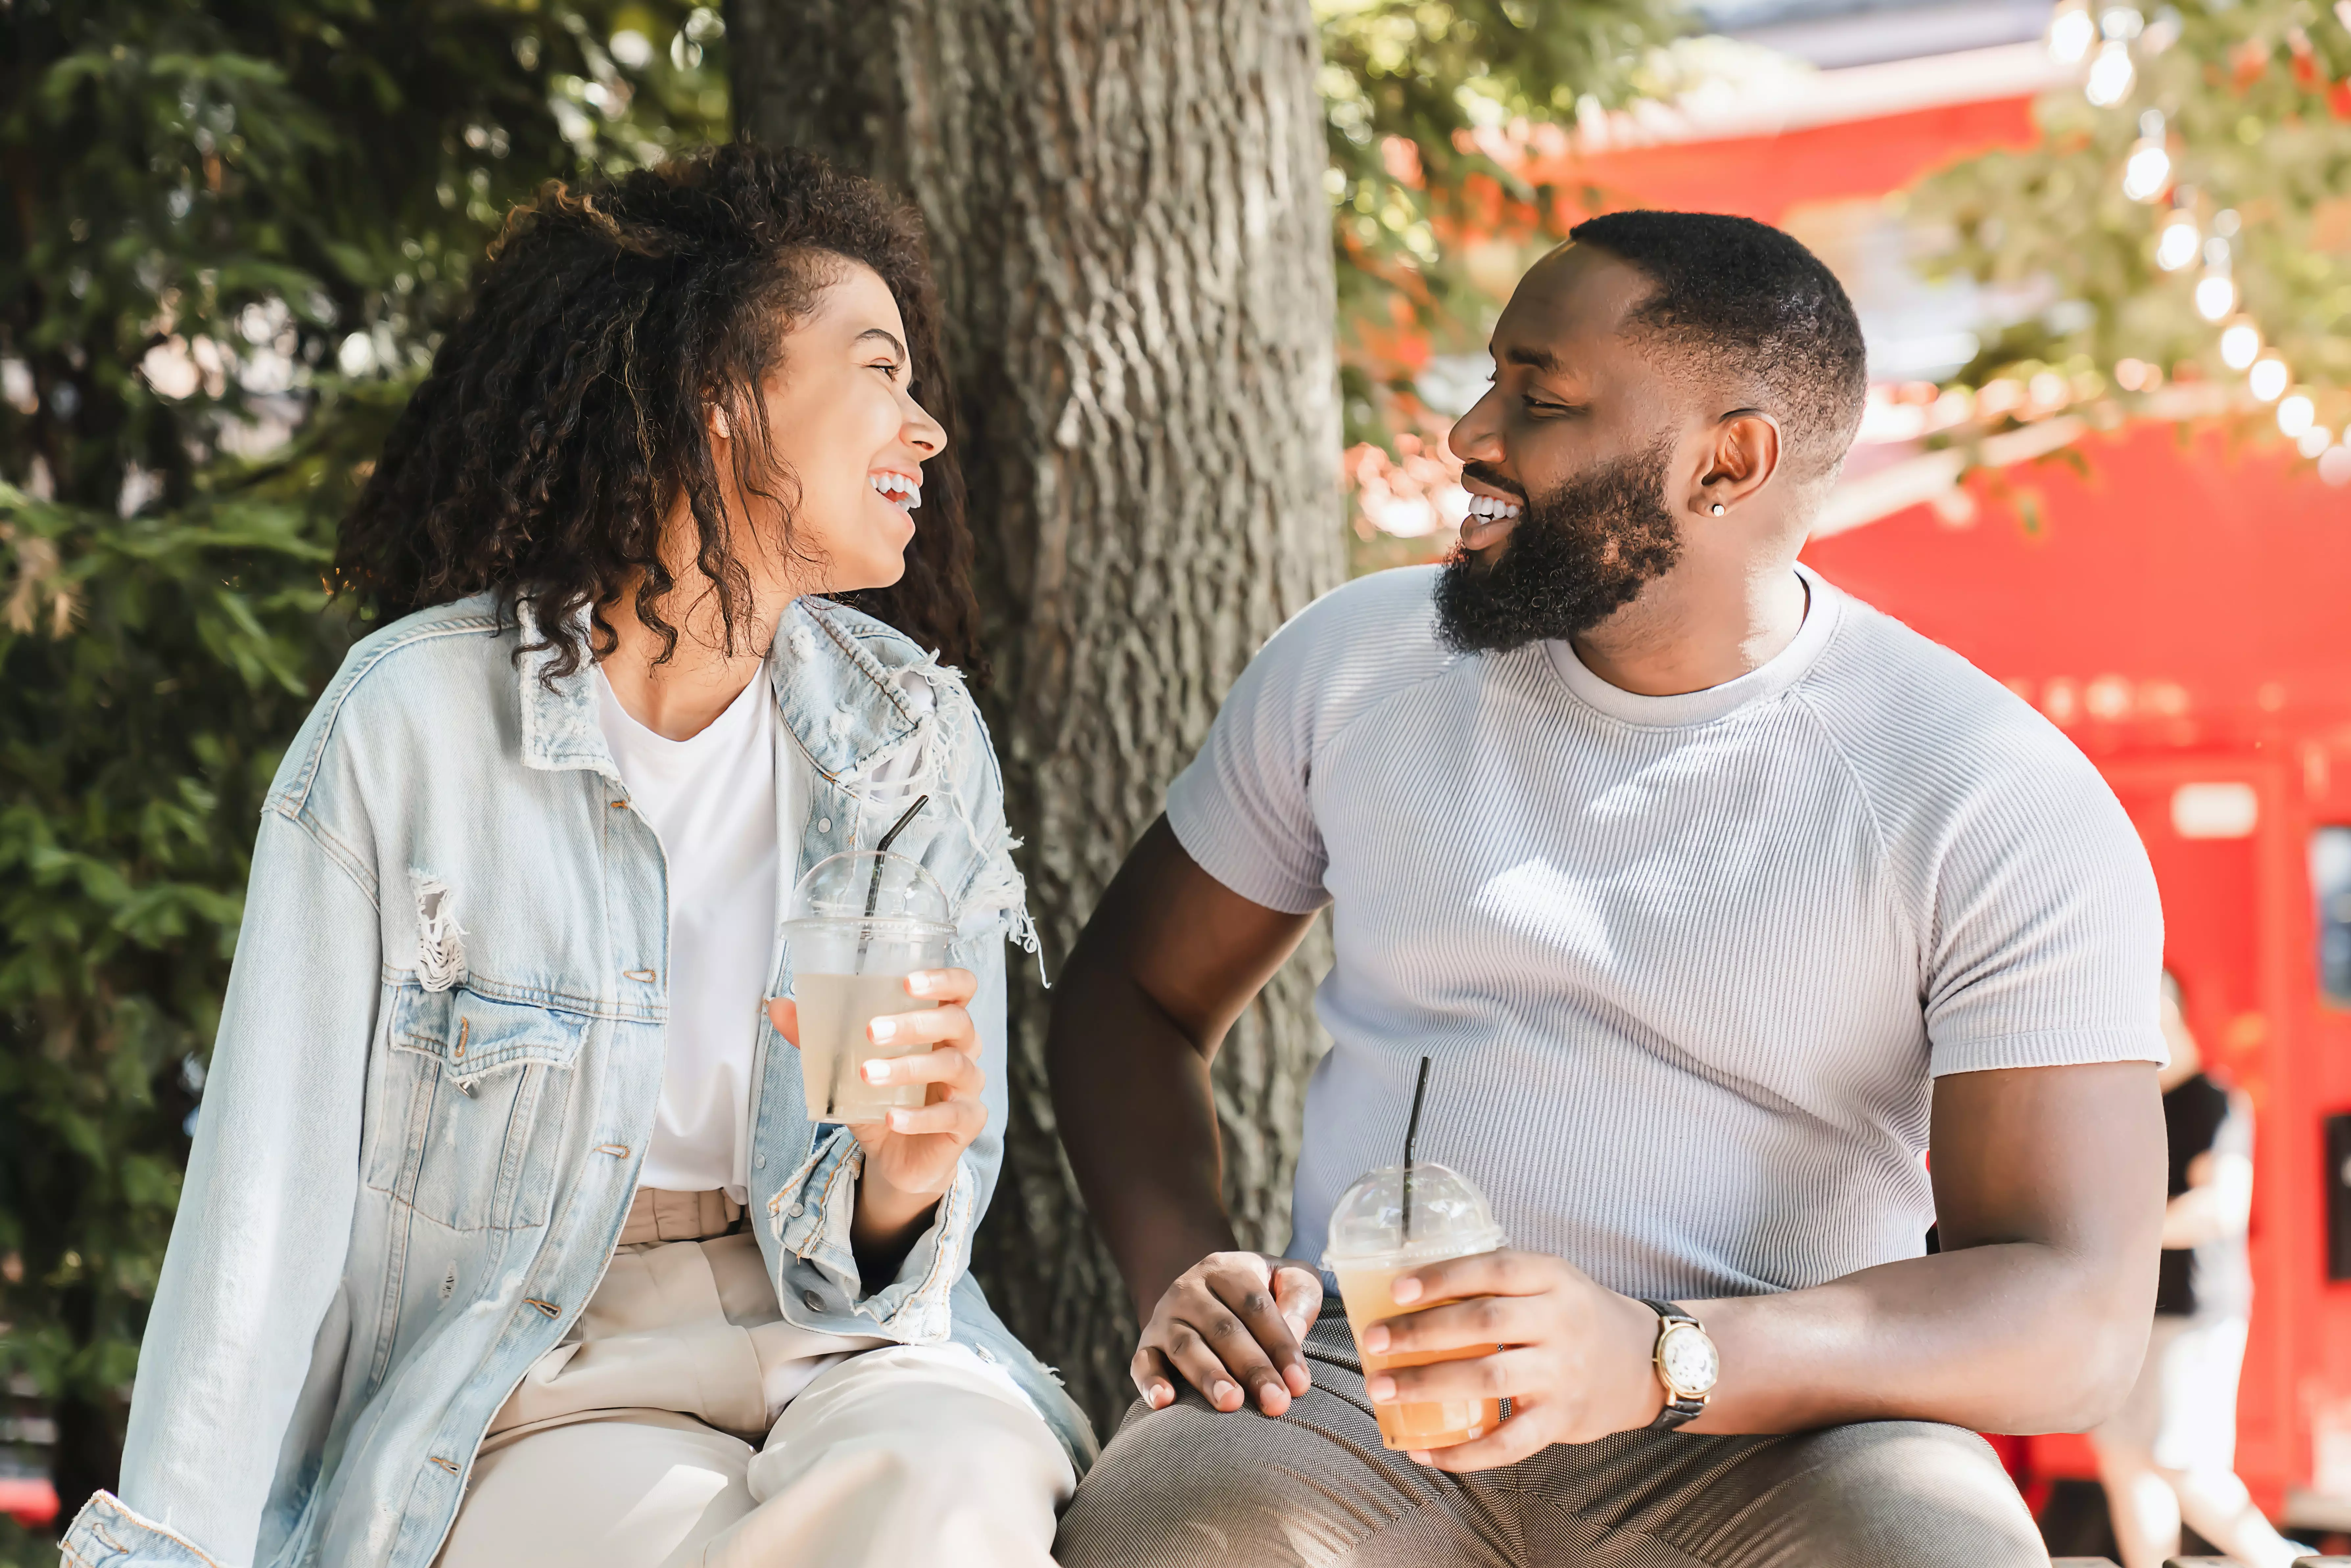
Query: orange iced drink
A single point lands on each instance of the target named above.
(1376, 1234)
(1413, 1423)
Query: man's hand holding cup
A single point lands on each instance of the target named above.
(1574, 1359)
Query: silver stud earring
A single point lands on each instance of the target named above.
(1717, 508)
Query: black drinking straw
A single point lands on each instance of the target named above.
(873, 888)
(1412, 1136)
(873, 892)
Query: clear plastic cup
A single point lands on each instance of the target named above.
(1370, 1242)
(859, 924)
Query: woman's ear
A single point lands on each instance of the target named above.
(718, 426)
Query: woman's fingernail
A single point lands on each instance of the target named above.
(1376, 1340)
(874, 1071)
(1298, 1379)
(882, 1032)
(1218, 1395)
(920, 982)
(1159, 1394)
(1405, 1290)
(1420, 1457)
(897, 1120)
(1381, 1389)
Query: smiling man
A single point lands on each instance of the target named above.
(1716, 898)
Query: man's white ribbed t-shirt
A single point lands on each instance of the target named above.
(1686, 966)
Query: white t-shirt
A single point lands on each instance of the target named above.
(1686, 966)
(713, 801)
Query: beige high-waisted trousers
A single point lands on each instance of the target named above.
(682, 1421)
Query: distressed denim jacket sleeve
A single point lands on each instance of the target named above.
(813, 1212)
(265, 1217)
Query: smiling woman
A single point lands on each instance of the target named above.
(568, 419)
(507, 1236)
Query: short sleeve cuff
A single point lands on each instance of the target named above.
(1221, 841)
(2047, 1048)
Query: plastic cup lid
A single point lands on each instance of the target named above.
(865, 886)
(1449, 1218)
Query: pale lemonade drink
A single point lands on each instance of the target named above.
(1382, 1227)
(834, 1011)
(860, 923)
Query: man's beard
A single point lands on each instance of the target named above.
(1575, 556)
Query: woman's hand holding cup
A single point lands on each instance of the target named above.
(912, 1153)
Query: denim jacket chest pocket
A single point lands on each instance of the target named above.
(474, 1093)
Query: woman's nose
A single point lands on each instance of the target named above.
(924, 432)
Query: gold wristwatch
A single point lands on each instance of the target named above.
(1686, 1363)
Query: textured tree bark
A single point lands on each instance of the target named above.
(1127, 214)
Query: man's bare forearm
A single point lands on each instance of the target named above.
(2033, 1318)
(1169, 959)
(2013, 1337)
(1140, 1125)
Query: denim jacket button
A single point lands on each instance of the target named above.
(824, 824)
(798, 1209)
(815, 1300)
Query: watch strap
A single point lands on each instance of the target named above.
(1679, 1411)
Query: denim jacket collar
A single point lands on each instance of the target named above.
(836, 694)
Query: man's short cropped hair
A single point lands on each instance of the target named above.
(1769, 317)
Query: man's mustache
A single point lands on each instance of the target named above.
(1485, 474)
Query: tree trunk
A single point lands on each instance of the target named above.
(1127, 216)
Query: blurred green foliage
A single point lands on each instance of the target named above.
(1406, 84)
(231, 232)
(2255, 123)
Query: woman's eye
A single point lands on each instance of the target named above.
(887, 367)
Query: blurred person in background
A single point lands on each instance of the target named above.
(2170, 1452)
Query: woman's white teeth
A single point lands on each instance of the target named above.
(897, 490)
(1493, 506)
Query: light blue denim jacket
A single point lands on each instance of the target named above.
(437, 1068)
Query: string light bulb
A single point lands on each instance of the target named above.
(2179, 243)
(2111, 75)
(2241, 343)
(2146, 170)
(2268, 378)
(2216, 296)
(2071, 33)
(2314, 441)
(2296, 416)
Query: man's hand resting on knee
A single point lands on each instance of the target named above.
(1231, 1323)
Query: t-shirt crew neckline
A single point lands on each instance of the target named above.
(732, 718)
(1823, 607)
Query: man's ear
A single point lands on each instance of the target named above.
(1742, 454)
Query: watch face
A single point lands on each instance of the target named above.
(1688, 1361)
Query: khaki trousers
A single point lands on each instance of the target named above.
(1187, 1486)
(684, 1422)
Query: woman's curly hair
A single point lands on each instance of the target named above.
(567, 407)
